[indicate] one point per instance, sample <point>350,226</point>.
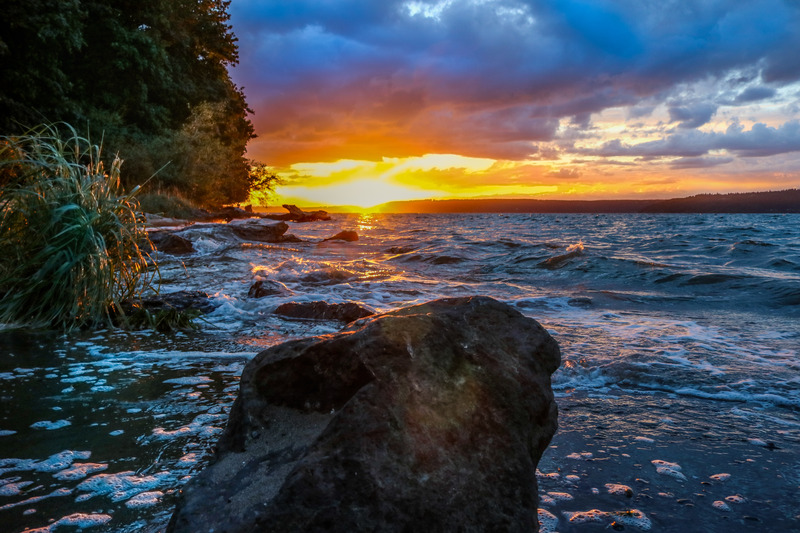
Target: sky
<point>359,102</point>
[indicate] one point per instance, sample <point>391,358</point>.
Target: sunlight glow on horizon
<point>588,173</point>
<point>364,193</point>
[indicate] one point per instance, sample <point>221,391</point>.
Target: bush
<point>72,242</point>
<point>203,160</point>
<point>171,205</point>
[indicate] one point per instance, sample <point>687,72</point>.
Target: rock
<point>179,300</point>
<point>226,213</point>
<point>346,235</point>
<point>157,221</point>
<point>255,230</point>
<point>397,250</point>
<point>430,418</point>
<point>296,214</point>
<point>346,312</point>
<point>262,288</point>
<point>169,243</point>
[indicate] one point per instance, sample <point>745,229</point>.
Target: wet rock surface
<point>255,230</point>
<point>178,300</point>
<point>346,312</point>
<point>169,243</point>
<point>346,235</point>
<point>428,418</point>
<point>263,288</point>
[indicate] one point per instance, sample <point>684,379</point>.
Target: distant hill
<point>787,201</point>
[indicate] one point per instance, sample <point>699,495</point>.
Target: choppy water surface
<point>679,335</point>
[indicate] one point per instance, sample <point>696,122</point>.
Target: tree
<point>35,38</point>
<point>150,78</point>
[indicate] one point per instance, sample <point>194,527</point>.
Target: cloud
<point>759,141</point>
<point>755,94</point>
<point>565,173</point>
<point>692,116</point>
<point>366,79</point>
<point>699,162</point>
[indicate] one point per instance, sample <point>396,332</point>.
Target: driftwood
<point>296,214</point>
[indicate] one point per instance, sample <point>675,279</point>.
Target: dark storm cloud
<point>492,78</point>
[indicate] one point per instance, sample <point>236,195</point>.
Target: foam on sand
<point>548,522</point>
<point>120,486</point>
<point>633,518</point>
<point>79,471</point>
<point>76,520</point>
<point>665,468</point>
<point>46,424</point>
<point>144,499</point>
<point>619,490</point>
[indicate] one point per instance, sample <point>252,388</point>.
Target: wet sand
<point>662,463</point>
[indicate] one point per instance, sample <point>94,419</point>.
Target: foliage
<point>72,245</point>
<point>165,320</point>
<point>151,77</point>
<point>166,204</point>
<point>262,182</point>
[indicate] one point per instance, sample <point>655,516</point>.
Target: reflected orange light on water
<point>365,222</point>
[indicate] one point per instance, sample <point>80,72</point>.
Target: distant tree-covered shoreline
<point>148,79</point>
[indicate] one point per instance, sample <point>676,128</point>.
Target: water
<point>679,335</point>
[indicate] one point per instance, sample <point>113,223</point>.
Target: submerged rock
<point>169,243</point>
<point>347,235</point>
<point>179,301</point>
<point>346,312</point>
<point>262,288</point>
<point>429,418</point>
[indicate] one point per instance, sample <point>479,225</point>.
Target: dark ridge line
<point>786,201</point>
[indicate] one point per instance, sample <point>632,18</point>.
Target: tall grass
<point>72,242</point>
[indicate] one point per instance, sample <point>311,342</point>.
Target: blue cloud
<point>759,141</point>
<point>455,63</point>
<point>754,94</point>
<point>692,116</point>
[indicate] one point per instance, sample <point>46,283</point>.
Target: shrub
<point>171,205</point>
<point>72,242</point>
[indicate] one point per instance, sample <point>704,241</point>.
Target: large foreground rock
<point>430,418</point>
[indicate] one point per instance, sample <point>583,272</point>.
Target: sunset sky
<point>365,101</point>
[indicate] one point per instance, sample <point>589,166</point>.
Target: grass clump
<point>72,242</point>
<point>167,320</point>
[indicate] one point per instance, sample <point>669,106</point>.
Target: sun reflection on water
<point>366,221</point>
